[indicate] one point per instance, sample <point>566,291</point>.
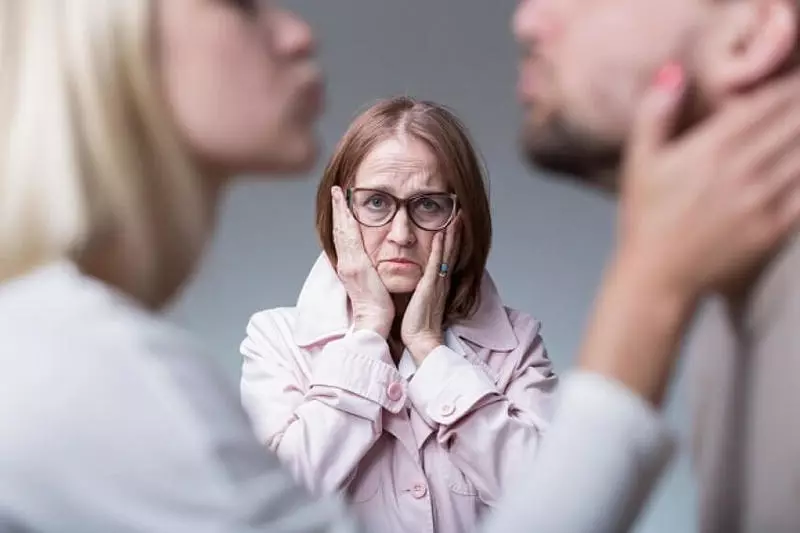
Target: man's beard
<point>573,154</point>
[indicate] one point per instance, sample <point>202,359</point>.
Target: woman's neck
<point>395,337</point>
<point>109,259</point>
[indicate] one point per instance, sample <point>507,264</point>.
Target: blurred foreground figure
<point>121,122</point>
<point>722,132</point>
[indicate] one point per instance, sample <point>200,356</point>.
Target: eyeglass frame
<point>401,204</point>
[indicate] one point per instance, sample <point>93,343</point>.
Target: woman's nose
<point>402,230</point>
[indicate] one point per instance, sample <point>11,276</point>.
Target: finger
<point>338,223</point>
<point>347,237</point>
<point>335,208</point>
<point>776,198</point>
<point>657,113</point>
<point>770,101</point>
<point>784,223</point>
<point>775,185</point>
<point>350,222</point>
<point>758,111</point>
<point>435,257</point>
<point>778,187</point>
<point>341,209</point>
<point>766,150</point>
<point>790,214</point>
<point>451,240</point>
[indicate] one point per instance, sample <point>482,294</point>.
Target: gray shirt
<point>746,397</point>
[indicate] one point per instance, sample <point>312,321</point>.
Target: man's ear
<point>747,41</point>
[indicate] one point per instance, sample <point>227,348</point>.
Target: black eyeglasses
<point>375,208</point>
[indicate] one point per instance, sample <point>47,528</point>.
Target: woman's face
<point>399,250</point>
<point>243,83</point>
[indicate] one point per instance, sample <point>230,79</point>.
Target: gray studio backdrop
<point>551,239</point>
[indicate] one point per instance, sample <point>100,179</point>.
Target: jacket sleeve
<point>320,428</point>
<point>486,428</point>
<point>593,472</point>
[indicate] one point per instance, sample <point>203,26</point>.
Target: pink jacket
<point>415,450</point>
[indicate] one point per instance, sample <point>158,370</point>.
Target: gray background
<point>551,239</point>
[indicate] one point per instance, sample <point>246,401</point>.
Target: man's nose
<point>533,22</point>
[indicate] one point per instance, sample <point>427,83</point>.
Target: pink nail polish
<point>669,77</point>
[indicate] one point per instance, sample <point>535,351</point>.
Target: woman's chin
<point>399,284</point>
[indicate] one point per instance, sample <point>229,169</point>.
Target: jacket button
<point>395,391</point>
<point>448,409</point>
<point>419,491</point>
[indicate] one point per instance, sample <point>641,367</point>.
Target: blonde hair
<point>89,157</point>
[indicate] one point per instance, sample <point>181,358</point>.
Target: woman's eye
<point>376,202</point>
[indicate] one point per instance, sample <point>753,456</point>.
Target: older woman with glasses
<point>399,378</point>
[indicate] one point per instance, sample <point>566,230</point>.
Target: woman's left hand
<point>422,329</point>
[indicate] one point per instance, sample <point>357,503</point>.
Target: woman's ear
<point>747,42</point>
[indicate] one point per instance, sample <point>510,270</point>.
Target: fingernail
<point>669,77</point>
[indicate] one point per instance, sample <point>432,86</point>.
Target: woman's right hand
<point>706,210</point>
<point>698,214</point>
<point>371,303</point>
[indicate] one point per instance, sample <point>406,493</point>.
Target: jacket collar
<point>323,312</point>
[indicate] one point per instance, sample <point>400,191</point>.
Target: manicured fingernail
<point>669,77</point>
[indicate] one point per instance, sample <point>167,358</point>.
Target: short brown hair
<point>457,160</point>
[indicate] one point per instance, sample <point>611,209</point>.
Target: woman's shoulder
<point>57,309</point>
<point>297,327</point>
<point>274,320</point>
<point>100,353</point>
<point>271,331</point>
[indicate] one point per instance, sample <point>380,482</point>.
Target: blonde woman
<point>120,124</point>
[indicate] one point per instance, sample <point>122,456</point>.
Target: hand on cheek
<point>422,329</point>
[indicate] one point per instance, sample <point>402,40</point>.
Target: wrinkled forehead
<point>401,167</point>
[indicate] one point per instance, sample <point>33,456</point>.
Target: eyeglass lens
<point>376,208</point>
